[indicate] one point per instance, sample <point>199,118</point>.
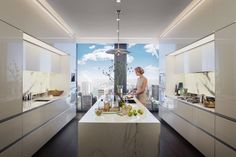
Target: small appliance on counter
<point>209,102</point>
<point>180,90</point>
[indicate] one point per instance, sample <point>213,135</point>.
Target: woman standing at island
<point>141,87</point>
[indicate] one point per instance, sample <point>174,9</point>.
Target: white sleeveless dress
<point>142,97</point>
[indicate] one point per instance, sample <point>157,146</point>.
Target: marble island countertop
<point>32,104</point>
<point>91,117</point>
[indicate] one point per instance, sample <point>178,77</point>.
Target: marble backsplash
<point>35,82</point>
<point>200,83</point>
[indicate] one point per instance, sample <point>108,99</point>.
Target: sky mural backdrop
<point>92,61</point>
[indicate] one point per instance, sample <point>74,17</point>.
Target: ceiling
<point>28,17</point>
<point>141,20</point>
<point>94,20</point>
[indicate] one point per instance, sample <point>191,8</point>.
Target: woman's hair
<point>139,70</point>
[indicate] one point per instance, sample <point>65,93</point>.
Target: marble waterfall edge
<point>119,139</point>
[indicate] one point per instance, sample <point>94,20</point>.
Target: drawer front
<point>34,141</point>
<point>10,131</point>
<point>13,151</point>
<point>184,110</point>
<point>37,117</point>
<point>225,130</point>
<point>222,150</point>
<point>204,120</point>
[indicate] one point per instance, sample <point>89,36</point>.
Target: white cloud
<point>92,47</point>
<point>131,45</point>
<point>152,49</point>
<point>101,55</point>
<point>130,59</point>
<point>96,55</point>
<point>151,69</point>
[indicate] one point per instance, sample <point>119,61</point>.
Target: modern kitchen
<point>72,78</point>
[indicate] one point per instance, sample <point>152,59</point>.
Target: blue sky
<point>92,59</point>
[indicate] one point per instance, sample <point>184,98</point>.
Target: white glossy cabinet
<point>14,151</point>
<point>204,120</point>
<point>225,130</point>
<point>208,56</point>
<point>180,116</point>
<point>35,140</point>
<point>195,60</point>
<point>224,13</point>
<point>184,110</point>
<point>179,63</point>
<point>202,58</point>
<point>199,59</point>
<point>56,63</point>
<point>11,62</point>
<point>37,117</point>
<point>222,150</point>
<point>40,59</point>
<point>31,57</point>
<point>225,71</point>
<point>10,131</point>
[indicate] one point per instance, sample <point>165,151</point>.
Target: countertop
<point>30,105</point>
<point>91,117</point>
<point>198,105</point>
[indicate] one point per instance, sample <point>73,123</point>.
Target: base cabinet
<point>198,138</point>
<point>222,150</point>
<point>38,138</point>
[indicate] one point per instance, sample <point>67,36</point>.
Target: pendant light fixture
<point>118,51</point>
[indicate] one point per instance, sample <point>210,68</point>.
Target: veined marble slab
<point>111,135</point>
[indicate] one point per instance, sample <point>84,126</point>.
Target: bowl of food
<point>55,92</point>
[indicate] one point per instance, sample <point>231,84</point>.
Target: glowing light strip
<point>35,41</point>
<point>182,16</point>
<point>194,45</point>
<point>43,4</point>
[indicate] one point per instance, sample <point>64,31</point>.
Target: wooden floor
<point>64,144</point>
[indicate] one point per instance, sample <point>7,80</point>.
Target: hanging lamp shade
<point>118,51</point>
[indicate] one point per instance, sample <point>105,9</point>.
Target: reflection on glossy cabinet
<point>11,62</point>
<point>56,63</point>
<point>184,110</point>
<point>179,63</point>
<point>31,57</point>
<point>208,56</point>
<point>225,130</point>
<point>10,131</point>
<point>222,150</point>
<point>225,71</point>
<point>204,120</point>
<point>14,151</point>
<point>40,59</point>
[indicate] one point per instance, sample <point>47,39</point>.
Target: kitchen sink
<point>41,100</point>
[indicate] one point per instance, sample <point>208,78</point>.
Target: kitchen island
<point>118,136</point>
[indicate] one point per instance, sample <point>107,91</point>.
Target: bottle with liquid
<point>100,104</point>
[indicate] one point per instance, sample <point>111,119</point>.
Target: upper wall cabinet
<point>181,63</point>
<point>224,13</point>
<point>40,59</point>
<point>199,59</point>
<point>225,71</point>
<point>11,56</point>
<point>202,58</point>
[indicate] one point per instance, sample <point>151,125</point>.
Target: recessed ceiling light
<point>45,6</point>
<point>118,1</point>
<point>117,19</point>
